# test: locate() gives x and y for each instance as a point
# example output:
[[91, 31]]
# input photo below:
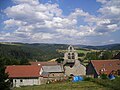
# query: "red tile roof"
[[20, 71], [106, 66], [43, 63]]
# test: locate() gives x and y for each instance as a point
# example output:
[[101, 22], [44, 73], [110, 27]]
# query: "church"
[[72, 66]]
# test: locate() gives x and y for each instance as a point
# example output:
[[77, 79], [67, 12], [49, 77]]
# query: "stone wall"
[[77, 69]]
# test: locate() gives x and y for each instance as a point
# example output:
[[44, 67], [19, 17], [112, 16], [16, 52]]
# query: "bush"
[[87, 79], [103, 76], [113, 84]]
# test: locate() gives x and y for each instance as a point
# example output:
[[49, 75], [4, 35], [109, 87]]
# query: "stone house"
[[72, 65], [23, 75], [51, 71], [97, 67], [54, 73]]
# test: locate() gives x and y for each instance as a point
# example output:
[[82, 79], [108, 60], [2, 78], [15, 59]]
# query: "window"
[[69, 57], [15, 81], [70, 48], [73, 54], [68, 53], [73, 57], [21, 80]]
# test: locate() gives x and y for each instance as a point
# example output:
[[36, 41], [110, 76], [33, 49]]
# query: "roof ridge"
[[107, 60]]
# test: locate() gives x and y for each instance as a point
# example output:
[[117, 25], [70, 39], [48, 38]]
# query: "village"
[[40, 73], [59, 44]]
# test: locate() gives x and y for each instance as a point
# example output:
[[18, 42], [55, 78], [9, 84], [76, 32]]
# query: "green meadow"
[[84, 85]]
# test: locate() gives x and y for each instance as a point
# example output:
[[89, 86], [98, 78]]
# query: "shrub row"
[[114, 84]]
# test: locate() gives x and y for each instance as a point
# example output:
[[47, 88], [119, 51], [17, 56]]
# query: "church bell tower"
[[71, 55]]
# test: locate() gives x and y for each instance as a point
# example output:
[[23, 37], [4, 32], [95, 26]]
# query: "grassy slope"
[[84, 85], [82, 51]]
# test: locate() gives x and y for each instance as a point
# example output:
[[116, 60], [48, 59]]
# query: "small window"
[[15, 81], [70, 48], [73, 57], [73, 54], [69, 57], [21, 80]]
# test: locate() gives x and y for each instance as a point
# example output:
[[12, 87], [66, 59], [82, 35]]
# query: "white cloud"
[[110, 10], [66, 32], [78, 13], [13, 23], [102, 1], [32, 2], [32, 21], [42, 36], [113, 26]]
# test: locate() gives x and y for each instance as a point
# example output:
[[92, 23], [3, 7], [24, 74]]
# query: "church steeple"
[[70, 48], [71, 54], [71, 63]]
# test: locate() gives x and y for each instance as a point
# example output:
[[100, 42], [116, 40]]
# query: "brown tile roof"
[[43, 63], [105, 66], [20, 71]]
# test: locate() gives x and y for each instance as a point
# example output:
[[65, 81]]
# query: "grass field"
[[82, 51], [84, 85]]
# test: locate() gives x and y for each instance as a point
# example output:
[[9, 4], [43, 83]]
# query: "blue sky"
[[88, 22]]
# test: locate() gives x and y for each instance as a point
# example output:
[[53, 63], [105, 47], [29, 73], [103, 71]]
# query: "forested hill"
[[102, 47], [21, 51]]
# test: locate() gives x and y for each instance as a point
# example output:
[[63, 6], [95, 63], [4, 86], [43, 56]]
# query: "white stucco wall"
[[25, 82]]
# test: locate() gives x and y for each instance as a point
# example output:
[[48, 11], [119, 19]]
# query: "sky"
[[85, 22]]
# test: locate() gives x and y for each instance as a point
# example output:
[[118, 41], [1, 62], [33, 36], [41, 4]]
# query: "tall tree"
[[4, 81]]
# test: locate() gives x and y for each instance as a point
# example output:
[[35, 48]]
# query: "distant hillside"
[[103, 47], [42, 51], [36, 51]]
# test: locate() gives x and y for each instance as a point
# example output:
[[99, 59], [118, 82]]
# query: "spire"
[[70, 48]]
